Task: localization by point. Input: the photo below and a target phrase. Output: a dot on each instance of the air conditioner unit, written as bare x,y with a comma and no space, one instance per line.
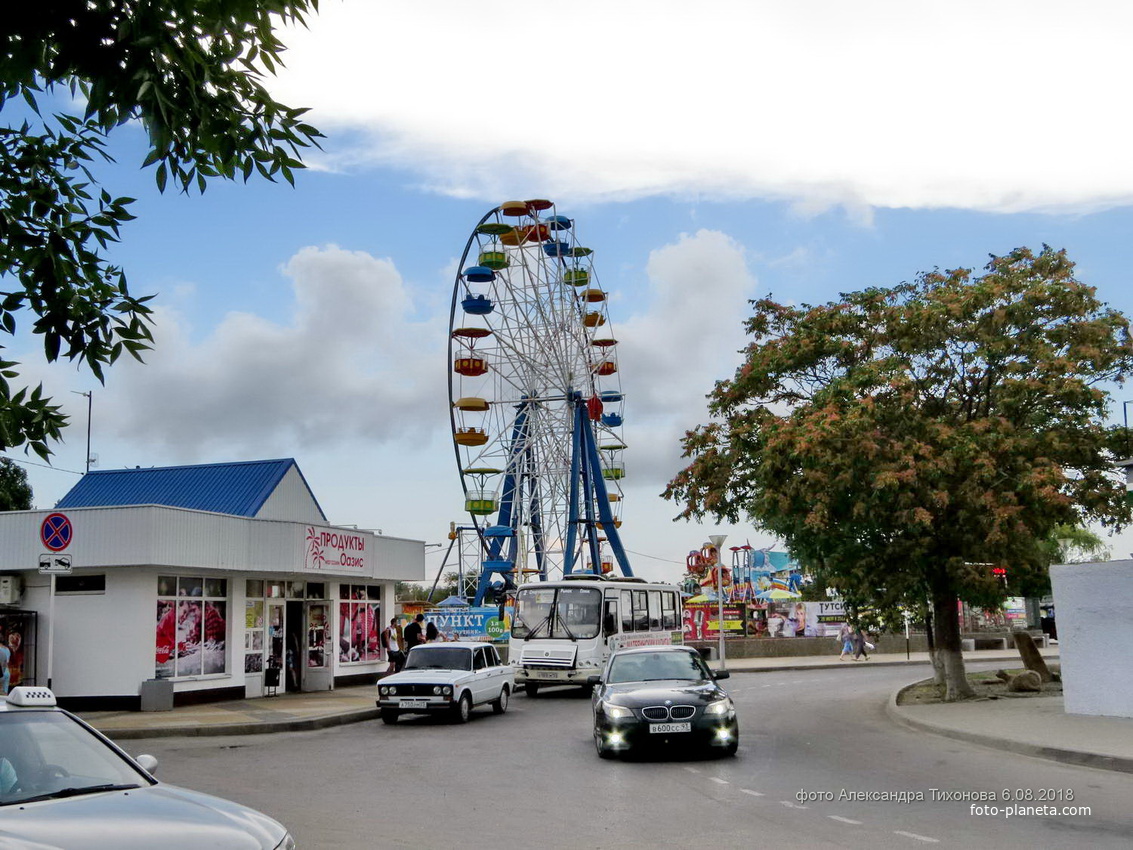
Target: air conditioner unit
11,589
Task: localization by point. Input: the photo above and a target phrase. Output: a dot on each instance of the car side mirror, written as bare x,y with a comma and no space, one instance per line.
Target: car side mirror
593,680
147,763
721,674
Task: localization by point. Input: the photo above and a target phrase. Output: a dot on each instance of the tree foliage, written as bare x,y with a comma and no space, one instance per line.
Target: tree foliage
191,72
904,440
15,492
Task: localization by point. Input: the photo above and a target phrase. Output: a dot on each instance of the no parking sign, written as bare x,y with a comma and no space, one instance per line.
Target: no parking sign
56,532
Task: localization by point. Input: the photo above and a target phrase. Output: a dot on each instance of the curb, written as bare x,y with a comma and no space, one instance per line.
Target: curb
834,665
243,728
903,717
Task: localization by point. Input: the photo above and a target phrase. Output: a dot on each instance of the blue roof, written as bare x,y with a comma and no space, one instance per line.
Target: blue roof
238,488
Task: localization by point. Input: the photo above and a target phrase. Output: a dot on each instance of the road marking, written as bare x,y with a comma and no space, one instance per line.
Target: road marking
719,781
753,793
923,838
844,820
692,769
791,805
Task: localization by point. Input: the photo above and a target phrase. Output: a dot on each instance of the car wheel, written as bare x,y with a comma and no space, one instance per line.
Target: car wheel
532,689
463,708
389,716
500,705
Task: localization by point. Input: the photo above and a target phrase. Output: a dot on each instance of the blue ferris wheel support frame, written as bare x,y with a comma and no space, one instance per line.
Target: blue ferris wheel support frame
587,493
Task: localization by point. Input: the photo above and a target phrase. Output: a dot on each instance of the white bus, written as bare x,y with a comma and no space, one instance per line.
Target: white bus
563,631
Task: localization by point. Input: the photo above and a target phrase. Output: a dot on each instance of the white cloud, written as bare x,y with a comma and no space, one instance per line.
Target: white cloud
1006,106
684,338
351,363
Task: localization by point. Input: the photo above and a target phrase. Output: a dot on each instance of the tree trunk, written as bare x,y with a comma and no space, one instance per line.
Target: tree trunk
946,624
933,655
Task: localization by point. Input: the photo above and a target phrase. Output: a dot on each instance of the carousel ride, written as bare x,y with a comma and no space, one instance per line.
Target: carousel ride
535,400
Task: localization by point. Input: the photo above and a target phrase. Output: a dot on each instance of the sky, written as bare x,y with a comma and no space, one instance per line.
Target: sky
710,153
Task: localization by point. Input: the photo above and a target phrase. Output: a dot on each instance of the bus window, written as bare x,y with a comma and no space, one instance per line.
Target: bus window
640,612
668,609
532,612
610,618
654,609
627,611
577,613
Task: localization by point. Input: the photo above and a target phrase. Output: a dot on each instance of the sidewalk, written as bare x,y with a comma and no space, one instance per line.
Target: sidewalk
1032,726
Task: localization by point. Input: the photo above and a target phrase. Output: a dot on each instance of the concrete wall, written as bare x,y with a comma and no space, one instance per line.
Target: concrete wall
1094,609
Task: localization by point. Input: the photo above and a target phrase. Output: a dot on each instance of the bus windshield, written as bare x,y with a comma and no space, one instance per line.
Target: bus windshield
563,613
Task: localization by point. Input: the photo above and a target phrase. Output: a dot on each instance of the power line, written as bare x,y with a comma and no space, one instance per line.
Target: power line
655,558
43,465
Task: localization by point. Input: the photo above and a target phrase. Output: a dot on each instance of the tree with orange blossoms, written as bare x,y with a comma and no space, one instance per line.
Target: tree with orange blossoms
904,440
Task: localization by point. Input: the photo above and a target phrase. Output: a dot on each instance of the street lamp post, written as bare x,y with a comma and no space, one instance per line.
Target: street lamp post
1125,416
718,541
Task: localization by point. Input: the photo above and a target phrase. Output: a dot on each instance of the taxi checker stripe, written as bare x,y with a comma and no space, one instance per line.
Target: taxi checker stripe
56,532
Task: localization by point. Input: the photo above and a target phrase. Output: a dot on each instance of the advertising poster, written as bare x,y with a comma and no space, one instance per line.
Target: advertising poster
482,624
216,630
164,662
17,638
701,621
189,638
360,635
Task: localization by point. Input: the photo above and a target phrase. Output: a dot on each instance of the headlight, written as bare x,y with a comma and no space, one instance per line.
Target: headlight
437,690
616,712
446,691
391,690
721,706
288,843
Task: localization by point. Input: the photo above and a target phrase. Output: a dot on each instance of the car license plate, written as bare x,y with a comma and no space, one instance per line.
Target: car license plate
545,674
667,728
412,703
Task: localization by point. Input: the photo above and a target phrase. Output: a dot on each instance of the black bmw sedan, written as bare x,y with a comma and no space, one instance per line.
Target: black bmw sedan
661,696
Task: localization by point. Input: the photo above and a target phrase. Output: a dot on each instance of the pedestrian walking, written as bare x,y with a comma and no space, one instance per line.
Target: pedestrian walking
845,637
861,645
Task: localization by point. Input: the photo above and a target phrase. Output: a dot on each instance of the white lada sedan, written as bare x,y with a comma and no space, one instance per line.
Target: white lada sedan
447,678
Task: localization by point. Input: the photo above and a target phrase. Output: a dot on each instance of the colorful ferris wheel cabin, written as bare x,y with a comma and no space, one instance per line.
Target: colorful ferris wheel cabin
477,305
481,502
493,258
479,274
470,367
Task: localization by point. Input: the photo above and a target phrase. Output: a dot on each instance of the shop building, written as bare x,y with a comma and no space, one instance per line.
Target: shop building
195,583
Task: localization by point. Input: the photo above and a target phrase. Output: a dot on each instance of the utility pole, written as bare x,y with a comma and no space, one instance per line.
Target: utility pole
90,401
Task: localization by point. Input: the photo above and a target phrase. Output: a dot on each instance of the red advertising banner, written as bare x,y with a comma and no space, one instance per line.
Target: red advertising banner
701,621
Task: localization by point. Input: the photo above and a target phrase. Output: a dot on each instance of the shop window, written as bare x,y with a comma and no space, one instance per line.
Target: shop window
316,590
254,588
359,620
192,626
73,584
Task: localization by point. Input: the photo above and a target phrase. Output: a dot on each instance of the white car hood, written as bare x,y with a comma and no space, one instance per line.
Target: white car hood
161,816
425,677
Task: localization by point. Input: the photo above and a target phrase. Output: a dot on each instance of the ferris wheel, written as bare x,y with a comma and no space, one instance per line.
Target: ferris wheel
536,400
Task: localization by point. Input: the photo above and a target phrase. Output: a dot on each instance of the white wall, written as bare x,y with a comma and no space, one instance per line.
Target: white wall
1093,606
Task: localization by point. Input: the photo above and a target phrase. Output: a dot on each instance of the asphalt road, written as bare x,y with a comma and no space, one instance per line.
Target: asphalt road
820,765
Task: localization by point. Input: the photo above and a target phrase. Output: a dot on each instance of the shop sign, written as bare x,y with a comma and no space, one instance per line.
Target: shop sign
335,549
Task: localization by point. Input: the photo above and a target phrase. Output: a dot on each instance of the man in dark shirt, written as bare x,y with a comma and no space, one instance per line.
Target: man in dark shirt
413,634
